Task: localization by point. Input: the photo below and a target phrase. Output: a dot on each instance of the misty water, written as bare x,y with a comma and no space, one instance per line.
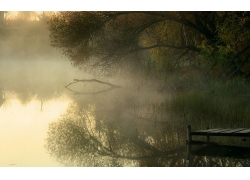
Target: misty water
89,123
33,94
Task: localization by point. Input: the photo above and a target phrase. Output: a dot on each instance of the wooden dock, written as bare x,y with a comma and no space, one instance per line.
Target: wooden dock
221,150
237,132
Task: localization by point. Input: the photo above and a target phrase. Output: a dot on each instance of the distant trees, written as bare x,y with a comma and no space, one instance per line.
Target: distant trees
26,36
2,18
112,41
27,15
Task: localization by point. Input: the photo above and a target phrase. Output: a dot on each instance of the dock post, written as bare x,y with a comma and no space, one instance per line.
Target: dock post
189,135
189,143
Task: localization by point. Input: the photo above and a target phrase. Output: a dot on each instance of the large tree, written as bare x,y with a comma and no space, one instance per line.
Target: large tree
113,41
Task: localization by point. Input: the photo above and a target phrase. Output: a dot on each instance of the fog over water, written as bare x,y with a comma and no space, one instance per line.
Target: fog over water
43,123
34,95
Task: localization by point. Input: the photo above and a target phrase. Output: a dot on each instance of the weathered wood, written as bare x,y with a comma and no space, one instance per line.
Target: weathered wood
189,135
244,131
223,132
238,132
207,130
189,147
219,131
235,130
189,142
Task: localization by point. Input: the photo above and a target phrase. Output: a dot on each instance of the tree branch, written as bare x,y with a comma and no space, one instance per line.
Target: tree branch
239,67
190,47
112,86
237,55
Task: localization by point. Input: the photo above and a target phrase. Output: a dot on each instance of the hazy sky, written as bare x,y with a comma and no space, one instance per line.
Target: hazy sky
13,14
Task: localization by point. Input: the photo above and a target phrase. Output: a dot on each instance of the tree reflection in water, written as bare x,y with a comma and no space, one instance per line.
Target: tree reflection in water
96,135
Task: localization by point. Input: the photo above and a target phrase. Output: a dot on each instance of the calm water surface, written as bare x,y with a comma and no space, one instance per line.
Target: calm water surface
42,123
32,95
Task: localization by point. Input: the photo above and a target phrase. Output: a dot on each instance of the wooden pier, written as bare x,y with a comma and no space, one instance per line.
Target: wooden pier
237,132
220,150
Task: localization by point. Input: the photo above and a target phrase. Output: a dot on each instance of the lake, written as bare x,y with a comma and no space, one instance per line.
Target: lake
122,121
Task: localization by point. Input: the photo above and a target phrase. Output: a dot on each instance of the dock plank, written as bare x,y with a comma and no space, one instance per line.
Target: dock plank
223,132
244,131
234,130
208,130
226,130
219,131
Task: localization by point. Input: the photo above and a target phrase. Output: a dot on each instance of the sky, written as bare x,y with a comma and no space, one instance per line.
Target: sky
13,14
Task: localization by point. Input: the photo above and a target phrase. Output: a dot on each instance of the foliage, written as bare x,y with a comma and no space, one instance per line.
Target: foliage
110,41
231,50
115,41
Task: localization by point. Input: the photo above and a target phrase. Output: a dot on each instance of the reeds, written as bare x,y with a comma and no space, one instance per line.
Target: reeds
217,105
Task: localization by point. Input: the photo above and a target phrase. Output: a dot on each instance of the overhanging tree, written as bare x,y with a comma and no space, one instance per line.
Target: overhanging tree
112,41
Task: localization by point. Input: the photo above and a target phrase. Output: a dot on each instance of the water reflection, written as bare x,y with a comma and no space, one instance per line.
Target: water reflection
23,130
127,126
32,95
122,131
121,134
2,99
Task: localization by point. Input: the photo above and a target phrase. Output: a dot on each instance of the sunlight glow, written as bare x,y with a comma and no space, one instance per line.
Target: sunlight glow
14,15
23,130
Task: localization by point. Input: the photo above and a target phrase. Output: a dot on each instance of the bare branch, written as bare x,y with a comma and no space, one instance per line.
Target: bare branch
112,86
189,47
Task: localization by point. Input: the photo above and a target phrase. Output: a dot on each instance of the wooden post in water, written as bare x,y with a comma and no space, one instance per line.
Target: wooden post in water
208,137
189,146
189,142
189,136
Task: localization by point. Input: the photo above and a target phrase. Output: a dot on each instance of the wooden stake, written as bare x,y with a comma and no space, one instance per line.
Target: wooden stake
189,136
189,142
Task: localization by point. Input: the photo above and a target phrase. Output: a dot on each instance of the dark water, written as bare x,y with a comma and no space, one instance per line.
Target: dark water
42,123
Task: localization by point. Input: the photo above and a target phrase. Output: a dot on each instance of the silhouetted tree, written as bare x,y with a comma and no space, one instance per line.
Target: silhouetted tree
115,40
